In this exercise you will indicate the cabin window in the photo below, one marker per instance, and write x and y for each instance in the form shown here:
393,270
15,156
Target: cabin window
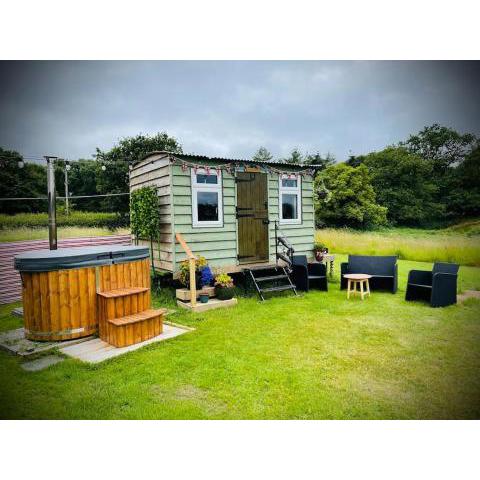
207,201
290,199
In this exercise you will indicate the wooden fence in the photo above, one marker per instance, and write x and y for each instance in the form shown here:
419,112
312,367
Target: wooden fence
10,283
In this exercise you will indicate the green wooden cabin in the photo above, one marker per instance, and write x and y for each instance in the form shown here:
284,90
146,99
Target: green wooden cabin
226,209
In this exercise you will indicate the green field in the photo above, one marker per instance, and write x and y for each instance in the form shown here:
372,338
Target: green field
458,244
318,356
25,233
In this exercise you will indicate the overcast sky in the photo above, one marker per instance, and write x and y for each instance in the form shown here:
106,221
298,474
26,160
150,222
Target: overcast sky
230,109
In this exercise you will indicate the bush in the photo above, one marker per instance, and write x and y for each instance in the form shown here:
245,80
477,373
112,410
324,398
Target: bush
350,200
75,219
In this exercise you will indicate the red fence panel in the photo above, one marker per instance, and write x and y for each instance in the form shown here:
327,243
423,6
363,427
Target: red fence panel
10,283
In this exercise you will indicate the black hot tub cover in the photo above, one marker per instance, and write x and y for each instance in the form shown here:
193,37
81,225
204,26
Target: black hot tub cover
65,258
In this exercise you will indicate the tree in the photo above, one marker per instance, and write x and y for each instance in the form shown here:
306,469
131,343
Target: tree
295,156
355,160
30,180
447,150
262,155
463,189
442,145
351,201
114,178
317,159
82,180
403,183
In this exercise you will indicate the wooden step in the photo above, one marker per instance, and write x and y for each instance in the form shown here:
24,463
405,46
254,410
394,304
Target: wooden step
137,317
122,292
132,329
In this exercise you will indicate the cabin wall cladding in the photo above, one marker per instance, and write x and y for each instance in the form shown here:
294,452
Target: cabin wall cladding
213,243
301,236
156,172
219,245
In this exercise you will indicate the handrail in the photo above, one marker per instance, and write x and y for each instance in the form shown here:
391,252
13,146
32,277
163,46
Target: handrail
184,245
191,260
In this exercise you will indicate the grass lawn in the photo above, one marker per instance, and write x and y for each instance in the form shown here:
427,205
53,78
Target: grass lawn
25,233
458,244
318,356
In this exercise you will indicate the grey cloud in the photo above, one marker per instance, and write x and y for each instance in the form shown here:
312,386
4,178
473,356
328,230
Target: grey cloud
231,108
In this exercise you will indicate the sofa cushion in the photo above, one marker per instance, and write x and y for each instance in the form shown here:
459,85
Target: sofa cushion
372,265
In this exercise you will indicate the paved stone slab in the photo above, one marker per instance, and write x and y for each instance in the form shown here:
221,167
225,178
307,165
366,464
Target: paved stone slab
42,363
96,350
14,341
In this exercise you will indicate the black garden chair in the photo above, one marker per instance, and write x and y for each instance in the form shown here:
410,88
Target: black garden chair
304,273
439,287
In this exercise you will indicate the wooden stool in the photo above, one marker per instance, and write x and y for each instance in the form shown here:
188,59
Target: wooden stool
360,279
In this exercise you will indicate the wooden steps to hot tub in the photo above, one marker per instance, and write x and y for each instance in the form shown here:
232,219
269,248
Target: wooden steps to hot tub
136,328
125,316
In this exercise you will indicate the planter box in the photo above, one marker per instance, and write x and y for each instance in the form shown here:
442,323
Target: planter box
211,305
183,294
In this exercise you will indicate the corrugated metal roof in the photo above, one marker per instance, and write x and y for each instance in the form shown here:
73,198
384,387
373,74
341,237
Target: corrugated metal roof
193,157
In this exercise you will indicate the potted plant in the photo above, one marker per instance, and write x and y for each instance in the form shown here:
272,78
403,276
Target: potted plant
184,277
319,250
224,288
207,276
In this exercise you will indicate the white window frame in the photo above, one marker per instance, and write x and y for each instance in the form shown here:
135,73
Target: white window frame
206,187
289,190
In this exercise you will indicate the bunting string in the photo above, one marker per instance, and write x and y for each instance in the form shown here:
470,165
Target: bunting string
231,167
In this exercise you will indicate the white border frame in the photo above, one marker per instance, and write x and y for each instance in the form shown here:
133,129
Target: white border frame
289,190
206,187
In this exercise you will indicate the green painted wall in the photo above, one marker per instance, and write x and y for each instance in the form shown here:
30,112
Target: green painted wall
219,244
301,236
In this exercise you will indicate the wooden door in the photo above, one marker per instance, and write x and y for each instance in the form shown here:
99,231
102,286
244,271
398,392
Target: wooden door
252,215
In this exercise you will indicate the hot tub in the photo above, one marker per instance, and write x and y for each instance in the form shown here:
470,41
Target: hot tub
60,286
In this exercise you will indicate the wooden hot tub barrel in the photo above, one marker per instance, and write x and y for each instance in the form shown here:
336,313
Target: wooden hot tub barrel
60,287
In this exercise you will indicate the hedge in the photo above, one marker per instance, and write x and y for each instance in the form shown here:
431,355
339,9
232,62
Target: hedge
75,219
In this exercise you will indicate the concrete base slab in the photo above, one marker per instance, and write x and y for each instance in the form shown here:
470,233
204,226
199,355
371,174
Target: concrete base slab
14,341
96,350
212,304
42,363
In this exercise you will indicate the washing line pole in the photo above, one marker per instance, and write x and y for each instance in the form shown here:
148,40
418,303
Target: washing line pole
67,168
52,207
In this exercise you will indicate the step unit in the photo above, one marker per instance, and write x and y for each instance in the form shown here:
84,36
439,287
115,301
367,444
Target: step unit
270,279
135,328
125,316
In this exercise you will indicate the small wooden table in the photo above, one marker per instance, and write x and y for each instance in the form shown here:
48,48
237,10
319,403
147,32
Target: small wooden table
355,279
328,259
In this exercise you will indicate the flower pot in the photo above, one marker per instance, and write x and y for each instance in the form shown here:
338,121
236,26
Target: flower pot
203,298
224,293
318,256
